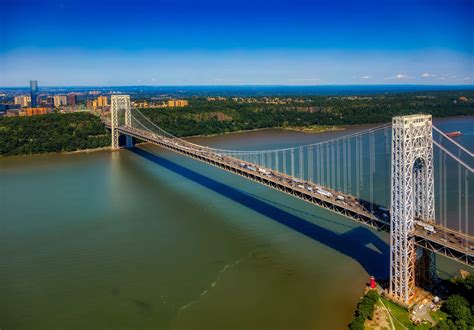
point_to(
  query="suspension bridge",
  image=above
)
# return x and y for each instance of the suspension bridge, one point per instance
(426, 211)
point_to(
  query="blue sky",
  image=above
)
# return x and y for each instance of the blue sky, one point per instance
(227, 42)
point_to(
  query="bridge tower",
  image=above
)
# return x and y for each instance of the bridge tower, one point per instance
(412, 199)
(120, 106)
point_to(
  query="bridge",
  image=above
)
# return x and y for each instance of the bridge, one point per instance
(322, 174)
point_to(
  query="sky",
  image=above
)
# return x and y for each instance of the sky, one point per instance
(230, 42)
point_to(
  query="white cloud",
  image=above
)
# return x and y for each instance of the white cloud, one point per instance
(467, 78)
(153, 79)
(399, 76)
(427, 75)
(365, 77)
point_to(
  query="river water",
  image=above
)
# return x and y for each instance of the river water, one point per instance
(148, 239)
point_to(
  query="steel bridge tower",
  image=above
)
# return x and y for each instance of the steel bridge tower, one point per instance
(120, 106)
(412, 199)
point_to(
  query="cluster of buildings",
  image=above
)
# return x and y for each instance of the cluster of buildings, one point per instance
(177, 103)
(33, 111)
(33, 104)
(101, 102)
(19, 103)
(217, 98)
(28, 104)
(53, 101)
(267, 100)
(167, 104)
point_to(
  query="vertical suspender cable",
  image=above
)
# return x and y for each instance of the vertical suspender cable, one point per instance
(372, 165)
(466, 201)
(349, 167)
(321, 164)
(292, 162)
(440, 194)
(277, 163)
(318, 167)
(300, 161)
(338, 166)
(459, 195)
(357, 156)
(333, 167)
(328, 168)
(361, 165)
(344, 165)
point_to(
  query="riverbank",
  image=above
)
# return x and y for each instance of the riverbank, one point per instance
(315, 128)
(448, 306)
(86, 150)
(80, 151)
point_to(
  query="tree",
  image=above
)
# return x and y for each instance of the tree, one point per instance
(458, 309)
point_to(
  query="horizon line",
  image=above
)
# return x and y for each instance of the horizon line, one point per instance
(247, 85)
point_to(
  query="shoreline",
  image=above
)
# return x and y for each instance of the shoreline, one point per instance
(226, 133)
(80, 151)
(308, 130)
(314, 129)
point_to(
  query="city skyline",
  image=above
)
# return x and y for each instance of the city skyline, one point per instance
(64, 43)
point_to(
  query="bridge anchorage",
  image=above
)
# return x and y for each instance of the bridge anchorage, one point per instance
(322, 174)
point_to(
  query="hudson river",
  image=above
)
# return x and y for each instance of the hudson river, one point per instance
(148, 239)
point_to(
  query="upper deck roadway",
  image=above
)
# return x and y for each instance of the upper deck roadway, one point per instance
(444, 241)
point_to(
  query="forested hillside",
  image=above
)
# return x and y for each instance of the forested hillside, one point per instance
(203, 117)
(51, 133)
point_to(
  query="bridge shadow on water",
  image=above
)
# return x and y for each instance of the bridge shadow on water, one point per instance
(359, 243)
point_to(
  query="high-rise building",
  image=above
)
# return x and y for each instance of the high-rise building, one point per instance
(102, 101)
(22, 100)
(60, 100)
(72, 99)
(33, 92)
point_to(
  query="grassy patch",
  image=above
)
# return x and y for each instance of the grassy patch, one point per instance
(401, 317)
(399, 314)
(439, 316)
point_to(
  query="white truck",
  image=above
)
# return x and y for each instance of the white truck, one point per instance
(324, 192)
(426, 226)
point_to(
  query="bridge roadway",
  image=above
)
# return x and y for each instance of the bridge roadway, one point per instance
(444, 241)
